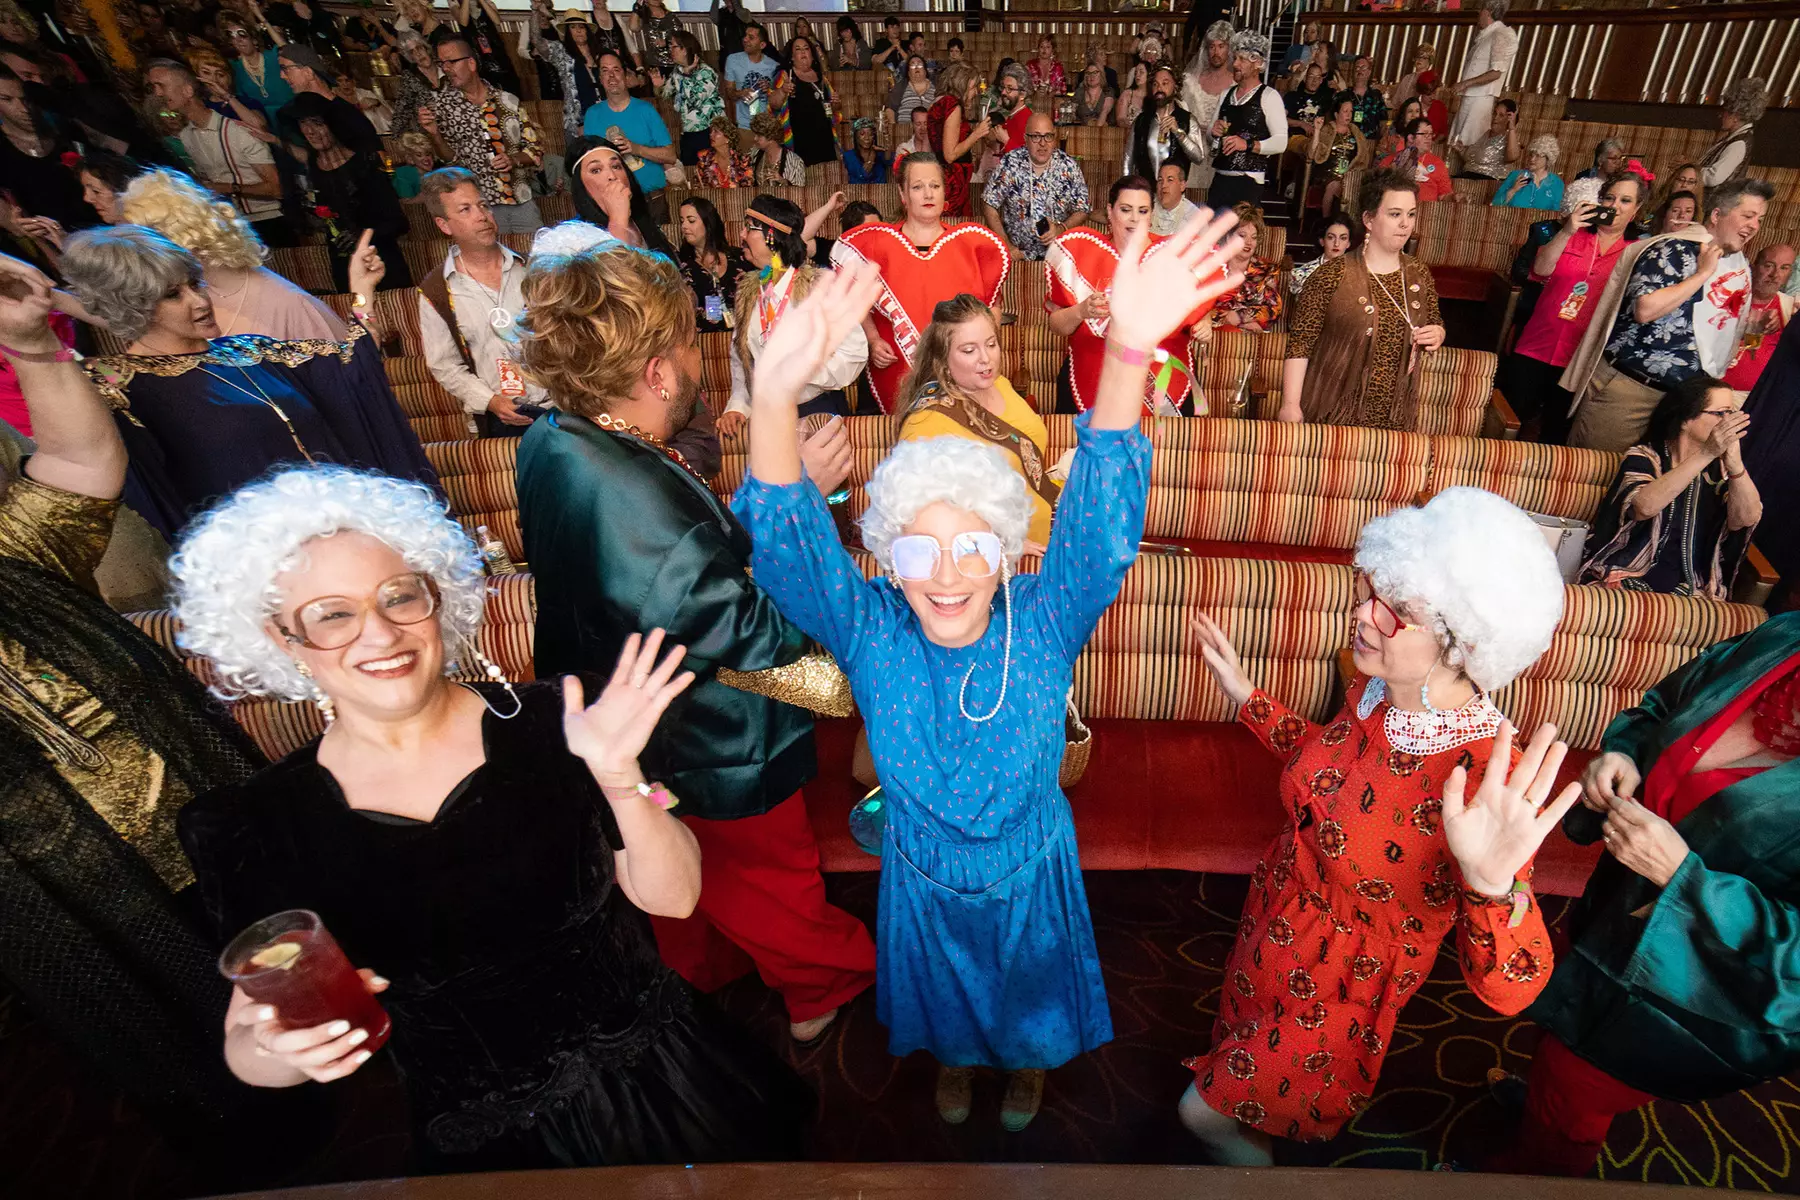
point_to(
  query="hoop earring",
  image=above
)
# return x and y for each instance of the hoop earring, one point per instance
(492, 670)
(326, 706)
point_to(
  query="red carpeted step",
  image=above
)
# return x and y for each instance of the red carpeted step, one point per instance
(1191, 796)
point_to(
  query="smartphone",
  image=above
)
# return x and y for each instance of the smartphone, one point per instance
(1043, 226)
(534, 411)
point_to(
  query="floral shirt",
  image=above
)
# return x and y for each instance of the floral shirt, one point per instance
(477, 132)
(710, 172)
(1022, 196)
(1050, 79)
(695, 96)
(1257, 300)
(1369, 110)
(1666, 349)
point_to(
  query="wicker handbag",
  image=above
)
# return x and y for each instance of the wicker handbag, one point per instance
(1078, 744)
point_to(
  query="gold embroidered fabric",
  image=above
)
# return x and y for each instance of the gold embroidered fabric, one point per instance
(813, 682)
(112, 373)
(107, 765)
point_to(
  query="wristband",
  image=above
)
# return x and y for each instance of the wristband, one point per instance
(1126, 355)
(63, 355)
(841, 496)
(656, 793)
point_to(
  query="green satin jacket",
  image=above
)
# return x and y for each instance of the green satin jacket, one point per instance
(1700, 995)
(623, 541)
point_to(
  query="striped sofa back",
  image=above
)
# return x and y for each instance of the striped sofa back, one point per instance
(1220, 479)
(279, 727)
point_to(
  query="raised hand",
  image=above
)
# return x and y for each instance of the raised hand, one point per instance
(1494, 833)
(25, 302)
(1726, 432)
(1221, 658)
(1152, 297)
(1609, 779)
(610, 733)
(366, 268)
(810, 331)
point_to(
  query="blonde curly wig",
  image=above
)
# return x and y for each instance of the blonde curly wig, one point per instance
(595, 317)
(188, 215)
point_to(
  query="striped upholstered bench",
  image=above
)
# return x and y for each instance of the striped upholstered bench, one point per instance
(279, 727)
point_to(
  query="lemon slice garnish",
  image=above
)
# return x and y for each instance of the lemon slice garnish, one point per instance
(280, 956)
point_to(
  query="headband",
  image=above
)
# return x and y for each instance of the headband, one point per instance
(769, 221)
(1634, 167)
(576, 165)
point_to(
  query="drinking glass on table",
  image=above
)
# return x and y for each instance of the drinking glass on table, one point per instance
(291, 962)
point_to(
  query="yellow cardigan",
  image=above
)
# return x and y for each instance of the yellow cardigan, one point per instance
(927, 423)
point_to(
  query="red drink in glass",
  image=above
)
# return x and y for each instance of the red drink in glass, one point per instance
(290, 960)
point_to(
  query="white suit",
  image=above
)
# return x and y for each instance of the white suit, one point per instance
(1493, 50)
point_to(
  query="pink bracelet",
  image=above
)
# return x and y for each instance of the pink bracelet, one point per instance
(656, 793)
(1128, 356)
(48, 356)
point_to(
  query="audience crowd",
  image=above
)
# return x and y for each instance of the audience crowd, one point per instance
(245, 447)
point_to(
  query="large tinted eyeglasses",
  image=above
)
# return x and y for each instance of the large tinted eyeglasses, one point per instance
(333, 622)
(976, 555)
(1387, 621)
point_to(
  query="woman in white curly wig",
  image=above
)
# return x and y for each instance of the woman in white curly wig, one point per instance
(986, 952)
(1392, 840)
(491, 850)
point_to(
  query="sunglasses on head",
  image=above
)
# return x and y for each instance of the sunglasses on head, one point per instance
(976, 555)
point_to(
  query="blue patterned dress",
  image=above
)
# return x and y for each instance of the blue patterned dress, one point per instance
(985, 951)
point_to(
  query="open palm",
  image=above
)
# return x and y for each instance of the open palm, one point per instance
(1495, 832)
(812, 329)
(610, 733)
(1151, 297)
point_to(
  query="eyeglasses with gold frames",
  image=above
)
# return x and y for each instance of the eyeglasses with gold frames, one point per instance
(333, 622)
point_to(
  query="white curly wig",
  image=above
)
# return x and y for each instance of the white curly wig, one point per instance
(1480, 571)
(225, 569)
(965, 474)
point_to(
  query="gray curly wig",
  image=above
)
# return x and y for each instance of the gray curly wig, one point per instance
(1251, 43)
(225, 569)
(1219, 31)
(1747, 99)
(1546, 145)
(121, 272)
(1481, 572)
(972, 476)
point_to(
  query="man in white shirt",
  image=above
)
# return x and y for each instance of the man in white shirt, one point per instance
(469, 310)
(1172, 207)
(229, 159)
(1484, 71)
(920, 139)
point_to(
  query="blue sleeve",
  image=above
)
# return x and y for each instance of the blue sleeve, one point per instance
(1500, 200)
(736, 67)
(1661, 266)
(1094, 541)
(591, 125)
(798, 559)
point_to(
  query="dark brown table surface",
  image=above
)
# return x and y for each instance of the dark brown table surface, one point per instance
(996, 1181)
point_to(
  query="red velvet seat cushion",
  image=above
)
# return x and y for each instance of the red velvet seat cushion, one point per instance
(1462, 283)
(1192, 796)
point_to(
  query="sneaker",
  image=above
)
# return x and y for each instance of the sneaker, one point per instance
(955, 1093)
(1024, 1093)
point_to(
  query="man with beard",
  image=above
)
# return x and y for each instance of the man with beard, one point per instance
(1011, 114)
(1164, 131)
(1251, 127)
(625, 536)
(1207, 78)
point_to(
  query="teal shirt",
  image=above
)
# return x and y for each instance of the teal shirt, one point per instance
(1700, 996)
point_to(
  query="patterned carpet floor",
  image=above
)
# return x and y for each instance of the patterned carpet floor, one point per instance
(1163, 938)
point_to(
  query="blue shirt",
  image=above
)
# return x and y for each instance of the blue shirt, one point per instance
(854, 170)
(1663, 349)
(639, 122)
(747, 76)
(1547, 194)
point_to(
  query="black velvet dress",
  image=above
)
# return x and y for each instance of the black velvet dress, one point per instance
(534, 1023)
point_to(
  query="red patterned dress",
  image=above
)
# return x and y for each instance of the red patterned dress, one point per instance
(1347, 908)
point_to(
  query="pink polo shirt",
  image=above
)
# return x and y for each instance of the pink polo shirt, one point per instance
(12, 400)
(1570, 296)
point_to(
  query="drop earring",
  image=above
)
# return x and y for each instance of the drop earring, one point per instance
(492, 670)
(326, 708)
(1425, 692)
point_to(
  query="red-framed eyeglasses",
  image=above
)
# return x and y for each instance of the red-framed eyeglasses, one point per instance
(1382, 615)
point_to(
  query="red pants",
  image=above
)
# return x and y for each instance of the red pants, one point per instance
(1571, 1105)
(762, 905)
